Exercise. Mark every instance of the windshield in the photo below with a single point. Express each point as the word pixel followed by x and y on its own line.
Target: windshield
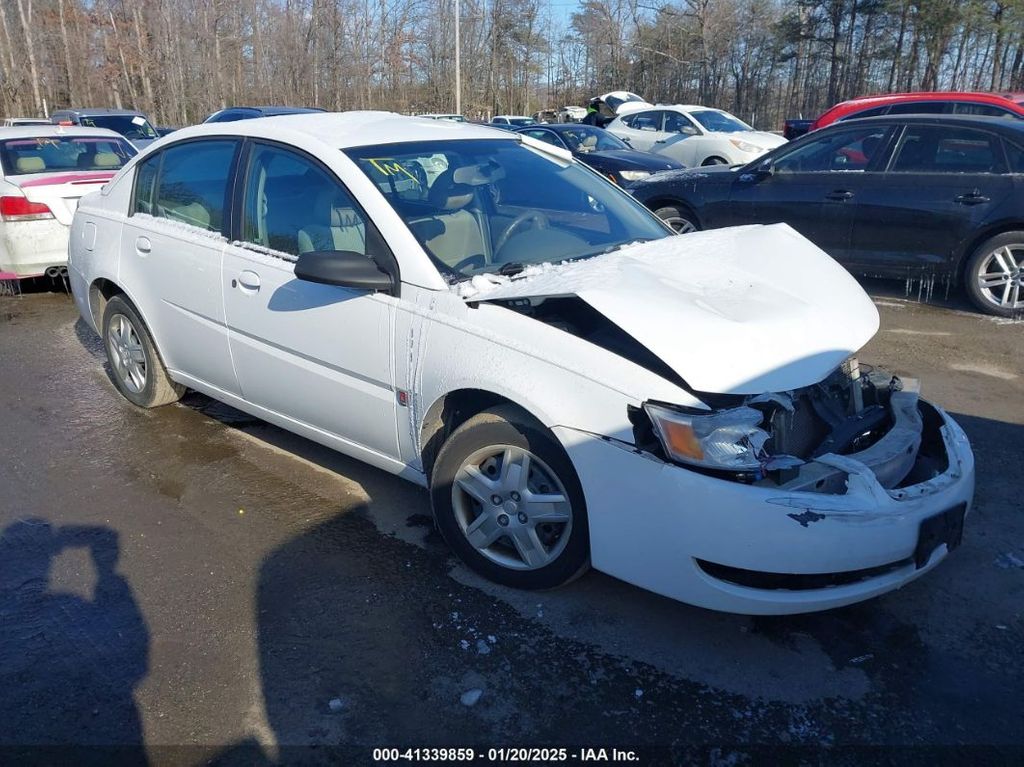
pixel 522 121
pixel 129 126
pixel 587 138
pixel 45 154
pixel 723 122
pixel 479 206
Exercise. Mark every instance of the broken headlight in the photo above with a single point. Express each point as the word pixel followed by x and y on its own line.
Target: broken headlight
pixel 730 440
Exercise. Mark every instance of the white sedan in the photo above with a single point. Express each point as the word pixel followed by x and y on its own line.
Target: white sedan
pixel 574 385
pixel 44 170
pixel 692 135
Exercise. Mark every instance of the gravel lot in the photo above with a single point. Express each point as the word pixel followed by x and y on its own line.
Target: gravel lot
pixel 192 576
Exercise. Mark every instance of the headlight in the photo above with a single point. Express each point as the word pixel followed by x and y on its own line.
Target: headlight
pixel 729 439
pixel 634 175
pixel 743 146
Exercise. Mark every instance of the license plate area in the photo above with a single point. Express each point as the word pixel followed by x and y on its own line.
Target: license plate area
pixel 947 528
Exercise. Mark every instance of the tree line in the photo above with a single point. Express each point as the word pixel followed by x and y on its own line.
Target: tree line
pixel 179 60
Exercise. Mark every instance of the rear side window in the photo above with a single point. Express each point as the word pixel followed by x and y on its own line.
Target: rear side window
pixel 191 185
pixel 1015 154
pixel 644 121
pixel 938 149
pixel 985 110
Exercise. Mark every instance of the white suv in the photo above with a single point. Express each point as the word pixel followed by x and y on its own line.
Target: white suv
pixel 691 135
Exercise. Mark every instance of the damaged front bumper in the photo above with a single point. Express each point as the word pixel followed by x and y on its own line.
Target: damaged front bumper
pixel 804 545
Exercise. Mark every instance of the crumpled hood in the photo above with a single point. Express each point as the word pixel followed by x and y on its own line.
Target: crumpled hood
pixel 744 310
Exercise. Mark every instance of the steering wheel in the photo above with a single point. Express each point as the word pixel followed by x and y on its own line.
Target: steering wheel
pixel 538 219
pixel 477 262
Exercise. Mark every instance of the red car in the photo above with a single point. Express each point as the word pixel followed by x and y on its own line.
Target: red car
pixel 987 104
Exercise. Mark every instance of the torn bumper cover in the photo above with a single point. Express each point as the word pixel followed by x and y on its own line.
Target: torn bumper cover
pixel 840 531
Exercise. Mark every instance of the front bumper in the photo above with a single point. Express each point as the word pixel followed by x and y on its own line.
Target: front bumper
pixel 659 526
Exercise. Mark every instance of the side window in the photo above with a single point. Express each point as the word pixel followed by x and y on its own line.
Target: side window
pixel 294 206
pixel 986 110
pixel 938 149
pixel 145 183
pixel 546 136
pixel 644 121
pixel 846 150
pixel 193 183
pixel 678 123
pixel 1015 154
pixel 873 112
pixel 918 108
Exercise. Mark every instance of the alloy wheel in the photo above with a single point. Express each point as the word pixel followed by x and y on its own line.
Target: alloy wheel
pixel 128 358
pixel 1001 277
pixel 512 507
pixel 680 225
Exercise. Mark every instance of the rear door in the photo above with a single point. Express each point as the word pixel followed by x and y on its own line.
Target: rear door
pixel 815 186
pixel 940 185
pixel 171 246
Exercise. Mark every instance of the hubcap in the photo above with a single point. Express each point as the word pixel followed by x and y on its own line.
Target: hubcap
pixel 680 224
pixel 1001 277
pixel 126 354
pixel 512 507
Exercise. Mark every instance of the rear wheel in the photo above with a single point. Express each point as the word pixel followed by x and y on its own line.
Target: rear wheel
pixel 508 502
pixel 680 219
pixel 994 275
pixel 135 366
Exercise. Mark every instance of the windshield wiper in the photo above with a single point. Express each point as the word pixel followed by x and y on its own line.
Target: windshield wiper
pixel 511 268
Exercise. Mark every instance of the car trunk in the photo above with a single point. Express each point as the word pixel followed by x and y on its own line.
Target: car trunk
pixel 60 192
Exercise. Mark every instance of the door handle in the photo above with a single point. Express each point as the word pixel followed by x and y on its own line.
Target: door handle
pixel 143 246
pixel 661 141
pixel 248 281
pixel 839 195
pixel 974 198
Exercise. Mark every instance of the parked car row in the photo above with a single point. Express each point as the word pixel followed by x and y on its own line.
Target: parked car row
pixel 933 197
pixel 474 311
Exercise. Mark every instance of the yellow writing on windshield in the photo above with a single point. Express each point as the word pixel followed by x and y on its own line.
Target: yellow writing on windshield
pixel 391 167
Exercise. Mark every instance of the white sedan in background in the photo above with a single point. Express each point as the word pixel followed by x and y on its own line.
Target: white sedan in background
pixel 574 385
pixel 44 170
pixel 692 135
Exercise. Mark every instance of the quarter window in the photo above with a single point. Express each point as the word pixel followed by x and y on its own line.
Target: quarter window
pixel 938 149
pixel 192 184
pixel 294 206
pixel 847 150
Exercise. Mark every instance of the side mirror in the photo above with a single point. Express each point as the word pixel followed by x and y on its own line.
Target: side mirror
pixel 344 268
pixel 765 168
pixel 689 130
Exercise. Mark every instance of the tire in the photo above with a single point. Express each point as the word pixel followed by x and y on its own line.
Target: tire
pixel 470 475
pixel 714 161
pixel 994 275
pixel 135 365
pixel 679 218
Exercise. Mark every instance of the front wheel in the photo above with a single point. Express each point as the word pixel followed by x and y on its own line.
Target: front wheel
pixel 508 502
pixel 680 219
pixel 994 275
pixel 714 161
pixel 135 366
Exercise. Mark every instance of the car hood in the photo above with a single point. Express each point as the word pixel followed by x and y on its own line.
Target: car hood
pixel 631 159
pixel 744 310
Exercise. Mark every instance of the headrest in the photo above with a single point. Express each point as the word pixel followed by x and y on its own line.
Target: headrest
pixel 446 194
pixel 107 160
pixel 29 164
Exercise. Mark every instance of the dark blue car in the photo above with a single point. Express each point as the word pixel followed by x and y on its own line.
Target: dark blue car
pixel 248 113
pixel 607 154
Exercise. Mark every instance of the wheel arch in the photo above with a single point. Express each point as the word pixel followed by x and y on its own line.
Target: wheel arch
pixel 660 201
pixel 964 255
pixel 451 410
pixel 101 290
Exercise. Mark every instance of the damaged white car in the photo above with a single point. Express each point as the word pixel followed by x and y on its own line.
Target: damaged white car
pixel 486 317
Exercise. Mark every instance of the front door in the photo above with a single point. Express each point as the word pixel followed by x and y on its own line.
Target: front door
pixel 317 354
pixel 171 246
pixel 815 188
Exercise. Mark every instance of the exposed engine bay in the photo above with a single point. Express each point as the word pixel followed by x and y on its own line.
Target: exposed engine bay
pixel 810 439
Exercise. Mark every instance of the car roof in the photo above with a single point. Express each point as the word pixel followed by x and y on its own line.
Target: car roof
pixel 98 111
pixel 978 121
pixel 343 130
pixel 33 131
pixel 513 117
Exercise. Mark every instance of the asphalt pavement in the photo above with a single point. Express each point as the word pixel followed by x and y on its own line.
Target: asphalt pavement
pixel 189 585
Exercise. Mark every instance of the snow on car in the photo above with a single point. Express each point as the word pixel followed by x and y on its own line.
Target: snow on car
pixel 44 170
pixel 573 384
